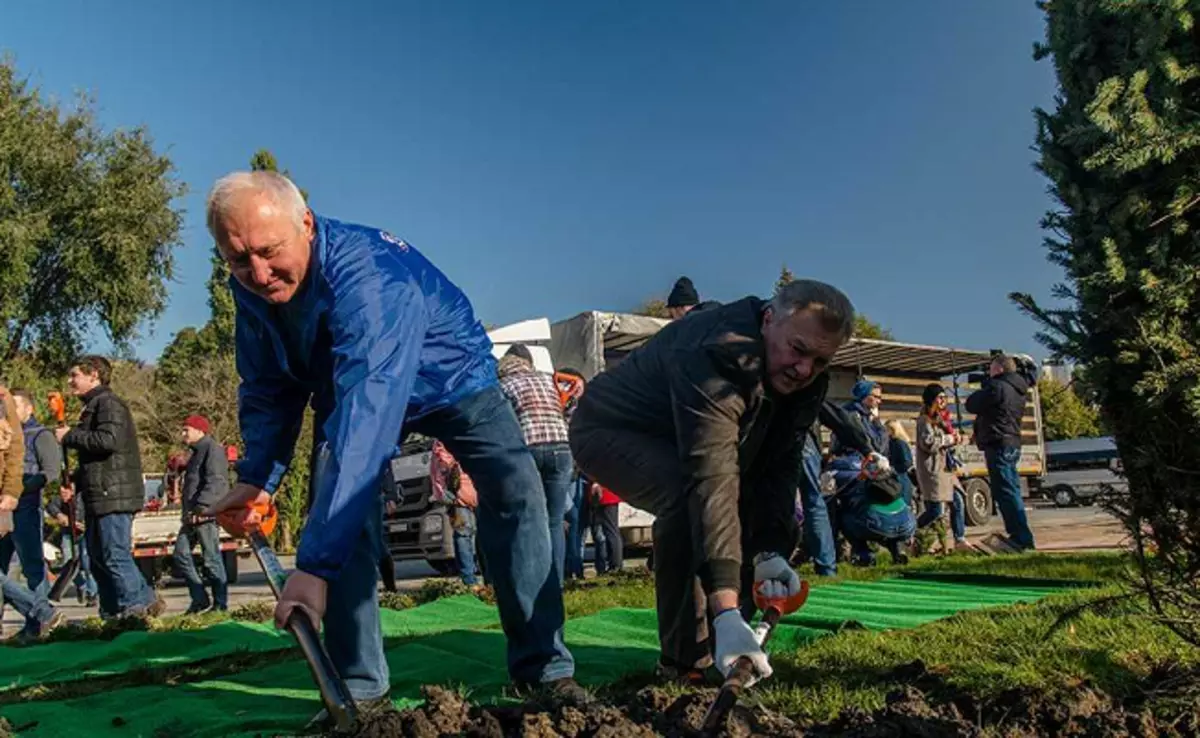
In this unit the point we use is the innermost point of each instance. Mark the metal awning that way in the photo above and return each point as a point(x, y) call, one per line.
point(870, 355)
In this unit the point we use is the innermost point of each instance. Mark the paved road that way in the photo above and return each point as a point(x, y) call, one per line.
point(1056, 530)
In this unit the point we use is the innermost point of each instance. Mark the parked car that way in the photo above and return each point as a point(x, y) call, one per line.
point(1079, 470)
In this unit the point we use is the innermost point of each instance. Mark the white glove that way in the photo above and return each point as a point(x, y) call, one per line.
point(880, 463)
point(733, 640)
point(828, 484)
point(774, 577)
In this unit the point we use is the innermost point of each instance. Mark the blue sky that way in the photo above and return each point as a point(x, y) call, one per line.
point(554, 157)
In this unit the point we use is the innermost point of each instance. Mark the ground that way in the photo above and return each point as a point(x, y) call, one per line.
point(1080, 528)
point(1072, 664)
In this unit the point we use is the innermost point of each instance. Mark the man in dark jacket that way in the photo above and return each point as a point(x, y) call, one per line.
point(205, 481)
point(703, 427)
point(109, 479)
point(998, 406)
point(42, 463)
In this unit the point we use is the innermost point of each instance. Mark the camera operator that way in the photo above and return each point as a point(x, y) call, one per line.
point(999, 405)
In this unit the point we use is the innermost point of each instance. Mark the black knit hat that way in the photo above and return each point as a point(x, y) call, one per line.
point(931, 392)
point(683, 294)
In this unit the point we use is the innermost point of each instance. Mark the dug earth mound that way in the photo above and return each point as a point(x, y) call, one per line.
point(926, 707)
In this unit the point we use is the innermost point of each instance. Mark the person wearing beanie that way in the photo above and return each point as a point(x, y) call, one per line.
point(683, 298)
point(205, 480)
point(863, 411)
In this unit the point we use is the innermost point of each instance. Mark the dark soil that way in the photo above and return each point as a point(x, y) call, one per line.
point(927, 707)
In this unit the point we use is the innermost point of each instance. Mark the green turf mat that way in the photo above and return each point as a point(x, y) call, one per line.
point(278, 699)
point(68, 661)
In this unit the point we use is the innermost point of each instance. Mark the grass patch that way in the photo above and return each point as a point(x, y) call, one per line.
point(984, 652)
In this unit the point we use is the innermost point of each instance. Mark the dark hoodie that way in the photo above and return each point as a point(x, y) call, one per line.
point(701, 382)
point(998, 406)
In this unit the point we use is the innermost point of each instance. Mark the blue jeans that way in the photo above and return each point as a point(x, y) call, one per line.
point(865, 524)
point(818, 528)
point(120, 585)
point(958, 515)
point(353, 633)
point(464, 544)
point(26, 542)
point(554, 465)
point(208, 536)
point(1006, 491)
point(575, 518)
point(33, 605)
point(483, 434)
point(85, 583)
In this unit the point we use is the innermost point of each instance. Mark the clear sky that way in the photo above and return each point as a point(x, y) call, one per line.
point(554, 157)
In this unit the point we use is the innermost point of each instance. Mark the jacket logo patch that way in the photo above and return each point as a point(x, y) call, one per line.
point(392, 239)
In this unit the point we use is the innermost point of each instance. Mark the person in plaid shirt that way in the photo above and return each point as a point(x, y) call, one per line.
point(535, 398)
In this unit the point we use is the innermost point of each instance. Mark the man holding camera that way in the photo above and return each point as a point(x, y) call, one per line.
point(998, 406)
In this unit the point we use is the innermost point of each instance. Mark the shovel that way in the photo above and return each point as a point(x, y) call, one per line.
point(743, 669)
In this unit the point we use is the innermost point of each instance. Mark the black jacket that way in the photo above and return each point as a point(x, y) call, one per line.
point(701, 383)
point(998, 406)
point(206, 478)
point(109, 477)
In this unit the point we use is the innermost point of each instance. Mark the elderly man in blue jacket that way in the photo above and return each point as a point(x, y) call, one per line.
point(361, 324)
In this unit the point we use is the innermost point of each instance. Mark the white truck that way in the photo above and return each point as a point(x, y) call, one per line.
point(155, 529)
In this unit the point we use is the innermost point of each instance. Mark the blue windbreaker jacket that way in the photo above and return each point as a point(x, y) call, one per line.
point(375, 336)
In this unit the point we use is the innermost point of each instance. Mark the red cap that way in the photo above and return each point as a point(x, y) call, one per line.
point(199, 422)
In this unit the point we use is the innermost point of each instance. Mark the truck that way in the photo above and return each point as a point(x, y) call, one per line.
point(155, 529)
point(419, 527)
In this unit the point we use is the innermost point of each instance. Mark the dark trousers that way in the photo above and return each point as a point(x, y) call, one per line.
point(576, 519)
point(119, 584)
point(208, 536)
point(645, 472)
point(606, 538)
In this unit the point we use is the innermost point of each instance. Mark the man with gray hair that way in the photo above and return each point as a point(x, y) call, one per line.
point(363, 326)
point(703, 427)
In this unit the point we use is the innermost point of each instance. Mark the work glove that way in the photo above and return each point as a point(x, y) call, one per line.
point(774, 577)
point(734, 638)
point(878, 464)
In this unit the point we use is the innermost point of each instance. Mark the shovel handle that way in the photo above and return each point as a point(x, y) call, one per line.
point(334, 693)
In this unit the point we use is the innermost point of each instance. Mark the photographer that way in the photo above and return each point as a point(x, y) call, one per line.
point(999, 405)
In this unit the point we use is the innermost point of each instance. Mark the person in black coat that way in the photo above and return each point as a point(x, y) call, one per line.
point(999, 405)
point(205, 481)
point(109, 479)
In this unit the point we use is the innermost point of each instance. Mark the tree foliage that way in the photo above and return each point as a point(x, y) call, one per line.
point(88, 222)
point(1121, 150)
point(1065, 415)
point(654, 308)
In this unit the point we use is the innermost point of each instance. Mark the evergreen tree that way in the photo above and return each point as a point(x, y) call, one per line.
point(1121, 150)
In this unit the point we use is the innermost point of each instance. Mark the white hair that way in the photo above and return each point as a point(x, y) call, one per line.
point(285, 194)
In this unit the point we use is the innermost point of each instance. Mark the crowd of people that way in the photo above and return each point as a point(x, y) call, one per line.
point(100, 499)
point(711, 426)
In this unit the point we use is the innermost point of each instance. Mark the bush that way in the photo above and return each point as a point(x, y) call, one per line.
point(1122, 153)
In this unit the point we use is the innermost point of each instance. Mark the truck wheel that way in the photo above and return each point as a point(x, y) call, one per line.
point(979, 501)
point(150, 570)
point(1063, 496)
point(444, 567)
point(230, 560)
